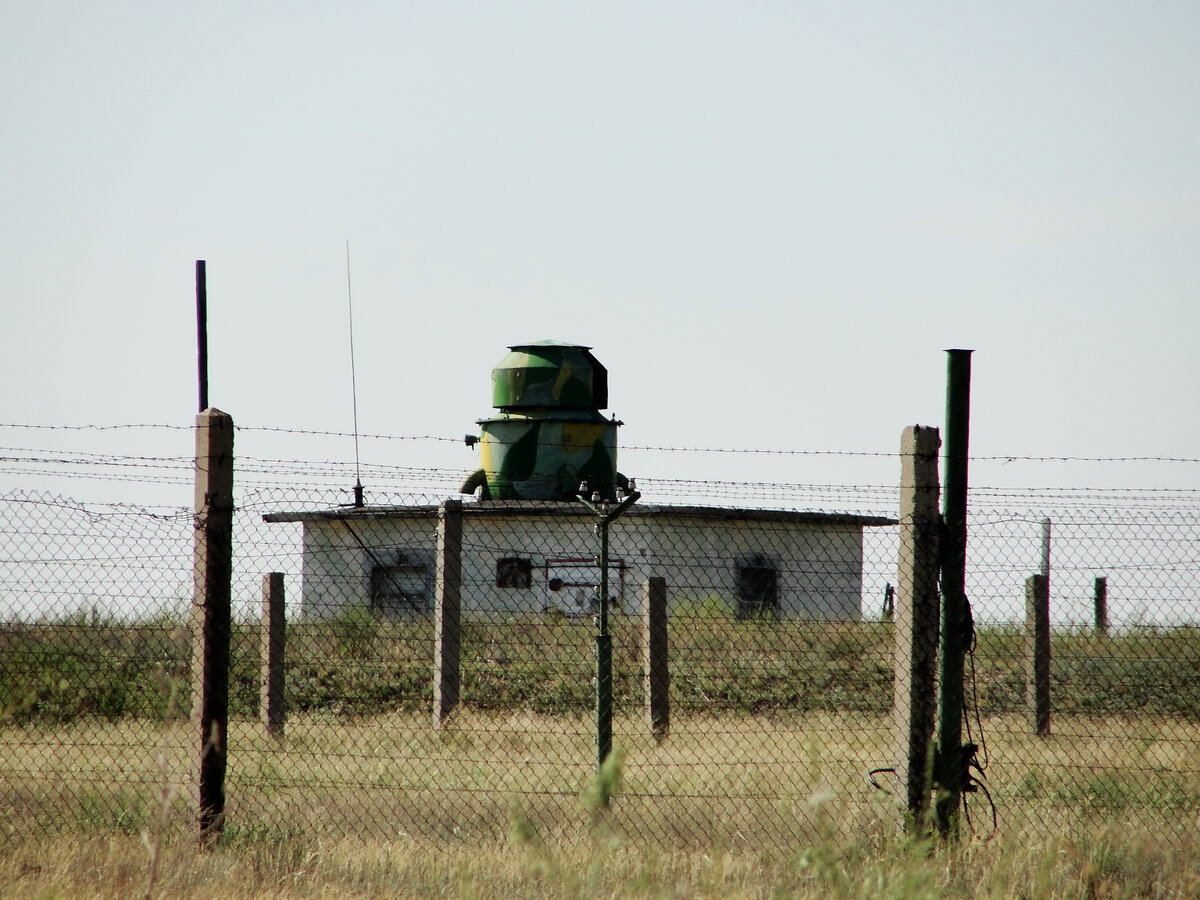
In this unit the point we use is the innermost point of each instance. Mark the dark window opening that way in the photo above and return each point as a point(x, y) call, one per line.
point(514, 572)
point(399, 588)
point(757, 589)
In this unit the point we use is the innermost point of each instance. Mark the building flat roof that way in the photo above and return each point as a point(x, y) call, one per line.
point(544, 508)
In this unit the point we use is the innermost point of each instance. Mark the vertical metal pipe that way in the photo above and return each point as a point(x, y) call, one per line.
point(603, 657)
point(602, 559)
point(956, 612)
point(604, 515)
point(202, 331)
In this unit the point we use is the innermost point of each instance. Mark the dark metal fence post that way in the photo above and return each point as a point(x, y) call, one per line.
point(604, 516)
point(273, 646)
point(447, 622)
point(603, 657)
point(1037, 653)
point(916, 617)
point(1101, 606)
point(655, 661)
point(202, 333)
point(213, 572)
point(951, 767)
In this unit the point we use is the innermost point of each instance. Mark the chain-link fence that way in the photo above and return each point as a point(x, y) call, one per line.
point(777, 721)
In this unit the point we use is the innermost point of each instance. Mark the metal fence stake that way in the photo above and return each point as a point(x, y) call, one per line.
point(604, 516)
point(951, 768)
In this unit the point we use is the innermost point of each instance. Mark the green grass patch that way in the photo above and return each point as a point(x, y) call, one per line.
point(357, 664)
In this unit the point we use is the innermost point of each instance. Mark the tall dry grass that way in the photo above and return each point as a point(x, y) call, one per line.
point(504, 804)
point(1105, 861)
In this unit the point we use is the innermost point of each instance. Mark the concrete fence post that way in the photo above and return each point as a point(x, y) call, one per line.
point(447, 623)
point(211, 626)
point(1037, 653)
point(655, 667)
point(916, 617)
point(271, 711)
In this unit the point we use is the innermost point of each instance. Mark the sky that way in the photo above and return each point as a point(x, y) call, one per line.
point(768, 219)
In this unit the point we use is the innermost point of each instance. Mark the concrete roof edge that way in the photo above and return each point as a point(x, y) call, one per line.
point(566, 508)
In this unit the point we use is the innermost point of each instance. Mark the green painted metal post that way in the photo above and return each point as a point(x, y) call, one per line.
point(952, 758)
point(604, 703)
point(603, 657)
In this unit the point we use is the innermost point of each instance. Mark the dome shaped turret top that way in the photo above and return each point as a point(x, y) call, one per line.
point(549, 374)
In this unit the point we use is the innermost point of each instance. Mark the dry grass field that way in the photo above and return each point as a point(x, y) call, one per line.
point(506, 805)
point(1106, 862)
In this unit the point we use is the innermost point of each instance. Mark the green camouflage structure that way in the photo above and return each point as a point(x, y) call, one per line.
point(549, 434)
point(549, 374)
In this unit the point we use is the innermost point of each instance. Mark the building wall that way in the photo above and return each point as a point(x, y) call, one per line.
point(339, 558)
point(817, 567)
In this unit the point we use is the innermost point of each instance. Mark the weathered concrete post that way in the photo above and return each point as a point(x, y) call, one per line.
point(448, 600)
point(655, 672)
point(271, 711)
point(213, 572)
point(1101, 606)
point(1037, 653)
point(916, 617)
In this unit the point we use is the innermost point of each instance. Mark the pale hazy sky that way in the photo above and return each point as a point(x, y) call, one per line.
point(768, 219)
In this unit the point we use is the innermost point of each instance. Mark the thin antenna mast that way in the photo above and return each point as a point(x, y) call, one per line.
point(358, 488)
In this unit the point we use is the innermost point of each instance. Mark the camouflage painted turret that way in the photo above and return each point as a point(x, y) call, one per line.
point(549, 434)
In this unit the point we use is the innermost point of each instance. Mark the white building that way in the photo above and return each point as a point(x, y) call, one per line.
point(528, 556)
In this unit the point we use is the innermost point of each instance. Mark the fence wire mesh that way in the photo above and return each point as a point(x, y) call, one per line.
point(780, 658)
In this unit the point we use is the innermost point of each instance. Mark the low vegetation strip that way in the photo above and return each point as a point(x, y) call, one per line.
point(62, 671)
